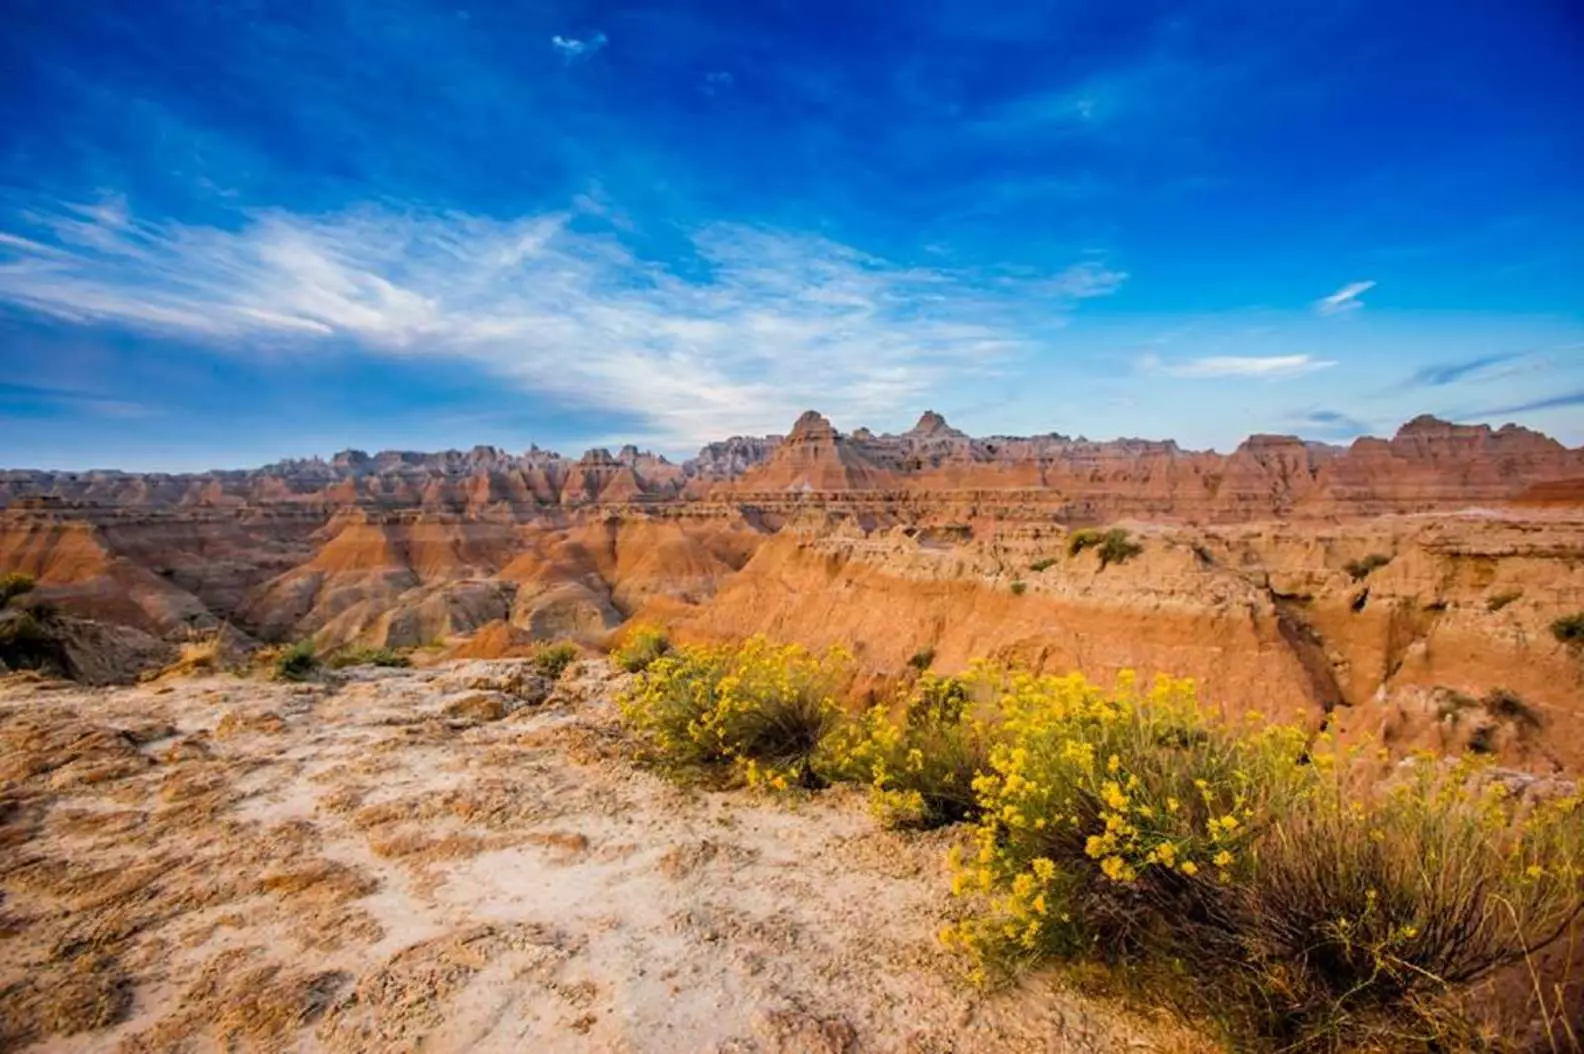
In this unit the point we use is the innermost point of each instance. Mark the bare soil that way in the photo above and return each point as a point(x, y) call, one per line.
point(446, 860)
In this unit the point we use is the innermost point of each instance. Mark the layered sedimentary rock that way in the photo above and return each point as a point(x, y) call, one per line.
point(892, 545)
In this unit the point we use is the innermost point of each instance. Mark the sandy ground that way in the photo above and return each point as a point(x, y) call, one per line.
point(444, 860)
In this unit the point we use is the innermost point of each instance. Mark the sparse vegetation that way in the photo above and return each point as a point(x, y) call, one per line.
point(1510, 706)
point(1113, 546)
point(1361, 569)
point(922, 659)
point(1042, 563)
point(553, 659)
point(757, 712)
point(641, 646)
point(14, 584)
point(1496, 601)
point(368, 656)
point(297, 663)
point(1019, 587)
point(1315, 907)
point(1569, 629)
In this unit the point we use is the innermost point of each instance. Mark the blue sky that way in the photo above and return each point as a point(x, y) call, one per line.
point(235, 231)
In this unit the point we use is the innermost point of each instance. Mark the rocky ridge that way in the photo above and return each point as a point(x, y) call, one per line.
point(1427, 465)
point(1248, 577)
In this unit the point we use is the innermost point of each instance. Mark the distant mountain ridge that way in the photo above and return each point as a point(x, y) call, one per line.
point(1429, 463)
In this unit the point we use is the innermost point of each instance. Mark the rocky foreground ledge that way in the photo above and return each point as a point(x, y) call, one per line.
point(456, 858)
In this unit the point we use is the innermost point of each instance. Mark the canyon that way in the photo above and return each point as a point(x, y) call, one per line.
point(1385, 586)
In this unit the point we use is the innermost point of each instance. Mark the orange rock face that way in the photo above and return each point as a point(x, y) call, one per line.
point(1249, 578)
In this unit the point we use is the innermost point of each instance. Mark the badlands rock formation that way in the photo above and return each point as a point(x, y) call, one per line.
point(1249, 579)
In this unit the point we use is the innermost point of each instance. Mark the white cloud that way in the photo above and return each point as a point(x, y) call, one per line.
point(572, 49)
point(1344, 299)
point(1216, 366)
point(766, 324)
point(716, 81)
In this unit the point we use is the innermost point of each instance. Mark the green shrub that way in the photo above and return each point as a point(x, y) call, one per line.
point(1042, 563)
point(922, 659)
point(1019, 587)
point(1113, 546)
point(1569, 629)
point(1312, 910)
point(756, 712)
point(1497, 601)
point(641, 646)
point(368, 656)
point(1083, 538)
point(27, 643)
point(921, 768)
point(297, 662)
point(14, 584)
point(1510, 706)
point(1359, 570)
point(553, 659)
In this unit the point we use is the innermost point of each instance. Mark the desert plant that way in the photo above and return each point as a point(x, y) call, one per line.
point(756, 711)
point(1361, 569)
point(1113, 546)
point(1083, 538)
point(1019, 587)
point(553, 659)
point(640, 647)
point(1569, 629)
point(922, 767)
point(1042, 563)
point(1496, 601)
point(14, 584)
point(922, 659)
point(368, 656)
point(297, 662)
point(25, 643)
point(1510, 706)
point(1315, 911)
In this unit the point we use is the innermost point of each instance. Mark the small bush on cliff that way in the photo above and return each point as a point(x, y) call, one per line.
point(1042, 564)
point(1312, 911)
point(368, 656)
point(297, 662)
point(922, 767)
point(1497, 601)
point(1113, 546)
point(1359, 570)
point(1569, 629)
point(641, 646)
point(14, 584)
point(1019, 587)
point(922, 659)
point(756, 712)
point(553, 659)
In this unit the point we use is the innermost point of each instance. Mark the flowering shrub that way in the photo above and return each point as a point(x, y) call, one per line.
point(641, 646)
point(757, 711)
point(1128, 826)
point(921, 767)
point(1091, 796)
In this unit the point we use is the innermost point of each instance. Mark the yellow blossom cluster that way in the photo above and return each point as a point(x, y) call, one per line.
point(759, 710)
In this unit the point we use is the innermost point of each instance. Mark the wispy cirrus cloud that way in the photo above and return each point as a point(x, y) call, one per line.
point(31, 397)
point(573, 49)
point(1442, 374)
point(1553, 402)
point(1212, 367)
point(1344, 300)
point(763, 324)
point(1330, 424)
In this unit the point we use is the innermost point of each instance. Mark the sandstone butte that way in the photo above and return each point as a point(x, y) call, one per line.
point(892, 545)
